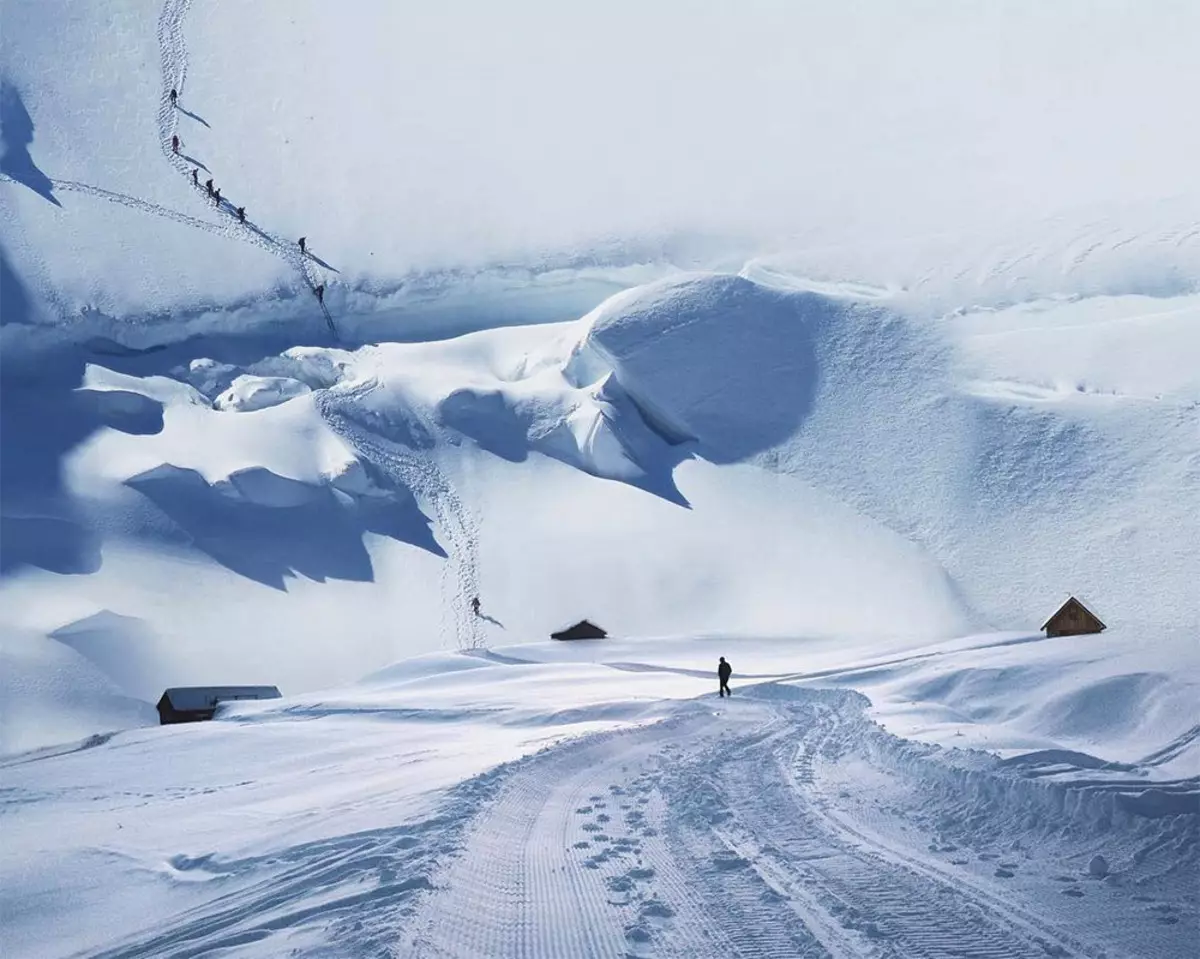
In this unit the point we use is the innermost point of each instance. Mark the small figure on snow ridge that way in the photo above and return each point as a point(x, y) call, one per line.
point(241, 214)
point(475, 605)
point(174, 96)
point(217, 196)
point(302, 241)
point(196, 177)
point(208, 186)
point(724, 671)
point(319, 289)
point(175, 144)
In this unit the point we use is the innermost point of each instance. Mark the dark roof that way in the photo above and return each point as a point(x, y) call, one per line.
point(1069, 600)
point(581, 630)
point(197, 698)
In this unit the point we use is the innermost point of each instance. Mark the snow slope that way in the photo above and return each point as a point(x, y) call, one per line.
point(630, 814)
point(849, 360)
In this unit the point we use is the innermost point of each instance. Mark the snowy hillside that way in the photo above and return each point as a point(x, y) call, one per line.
point(834, 344)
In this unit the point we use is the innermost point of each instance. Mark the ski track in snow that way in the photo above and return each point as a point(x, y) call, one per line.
point(724, 833)
point(416, 471)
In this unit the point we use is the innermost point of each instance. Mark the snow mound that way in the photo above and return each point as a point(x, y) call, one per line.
point(712, 358)
point(50, 694)
point(248, 393)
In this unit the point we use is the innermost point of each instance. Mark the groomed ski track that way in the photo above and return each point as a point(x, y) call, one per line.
point(726, 831)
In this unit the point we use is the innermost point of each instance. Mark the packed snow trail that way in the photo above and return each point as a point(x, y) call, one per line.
point(173, 51)
point(715, 833)
point(416, 471)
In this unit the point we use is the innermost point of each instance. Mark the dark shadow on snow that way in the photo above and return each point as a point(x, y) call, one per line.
point(196, 163)
point(491, 619)
point(16, 133)
point(316, 259)
point(194, 116)
point(15, 305)
point(268, 527)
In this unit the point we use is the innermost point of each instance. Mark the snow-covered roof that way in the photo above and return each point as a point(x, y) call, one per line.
point(1063, 605)
point(188, 698)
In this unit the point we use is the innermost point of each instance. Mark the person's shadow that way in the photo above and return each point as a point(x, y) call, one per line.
point(16, 133)
point(491, 619)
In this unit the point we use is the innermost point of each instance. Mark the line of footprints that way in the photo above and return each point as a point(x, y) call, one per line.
point(627, 886)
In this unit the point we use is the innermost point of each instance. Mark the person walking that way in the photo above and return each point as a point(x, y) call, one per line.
point(475, 605)
point(241, 214)
point(302, 240)
point(196, 177)
point(174, 96)
point(724, 671)
point(319, 289)
point(208, 186)
point(175, 144)
point(217, 196)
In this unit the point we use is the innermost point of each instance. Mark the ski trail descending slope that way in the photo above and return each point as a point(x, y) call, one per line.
point(416, 471)
point(711, 834)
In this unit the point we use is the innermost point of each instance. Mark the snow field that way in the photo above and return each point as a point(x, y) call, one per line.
point(782, 821)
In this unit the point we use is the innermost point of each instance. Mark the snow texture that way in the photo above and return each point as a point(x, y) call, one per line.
point(842, 346)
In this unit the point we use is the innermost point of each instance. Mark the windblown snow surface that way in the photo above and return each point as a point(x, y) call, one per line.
point(862, 450)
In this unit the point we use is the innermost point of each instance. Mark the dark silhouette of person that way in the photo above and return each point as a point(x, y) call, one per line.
point(320, 291)
point(175, 144)
point(724, 671)
point(174, 96)
point(241, 214)
point(217, 196)
point(302, 239)
point(208, 186)
point(475, 605)
point(196, 177)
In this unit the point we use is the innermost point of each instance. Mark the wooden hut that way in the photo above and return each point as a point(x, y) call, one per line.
point(581, 630)
point(194, 704)
point(1072, 618)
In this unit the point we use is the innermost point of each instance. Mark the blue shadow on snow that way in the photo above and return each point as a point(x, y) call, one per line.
point(16, 133)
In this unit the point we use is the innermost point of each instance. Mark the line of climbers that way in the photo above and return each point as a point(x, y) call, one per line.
point(214, 194)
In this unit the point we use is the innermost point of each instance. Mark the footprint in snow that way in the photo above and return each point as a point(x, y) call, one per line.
point(1075, 892)
point(1004, 874)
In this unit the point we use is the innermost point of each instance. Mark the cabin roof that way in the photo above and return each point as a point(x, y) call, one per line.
point(194, 698)
point(1064, 604)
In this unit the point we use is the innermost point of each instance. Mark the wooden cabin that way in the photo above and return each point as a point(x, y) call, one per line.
point(1072, 618)
point(194, 704)
point(581, 630)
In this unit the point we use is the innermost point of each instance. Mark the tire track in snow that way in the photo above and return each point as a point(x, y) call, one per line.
point(565, 863)
point(708, 834)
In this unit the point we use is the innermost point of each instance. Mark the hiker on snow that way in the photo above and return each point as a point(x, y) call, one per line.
point(174, 96)
point(320, 291)
point(475, 605)
point(208, 186)
point(724, 671)
point(217, 196)
point(241, 214)
point(196, 177)
point(175, 144)
point(302, 239)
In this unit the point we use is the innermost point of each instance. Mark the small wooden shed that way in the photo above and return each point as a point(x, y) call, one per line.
point(581, 630)
point(1072, 618)
point(194, 704)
